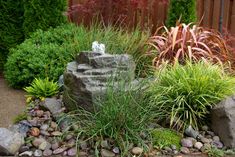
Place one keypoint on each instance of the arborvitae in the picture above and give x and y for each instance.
(11, 26)
(43, 14)
(185, 10)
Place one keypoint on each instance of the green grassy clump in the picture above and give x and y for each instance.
(183, 10)
(165, 138)
(42, 88)
(215, 152)
(122, 115)
(184, 94)
(46, 53)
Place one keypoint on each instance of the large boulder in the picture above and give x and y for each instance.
(87, 78)
(223, 121)
(10, 142)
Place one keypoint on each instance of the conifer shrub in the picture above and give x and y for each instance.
(11, 24)
(43, 14)
(185, 10)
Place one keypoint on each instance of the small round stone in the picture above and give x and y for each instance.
(56, 133)
(47, 152)
(35, 132)
(72, 152)
(23, 149)
(216, 138)
(173, 147)
(198, 145)
(105, 144)
(107, 153)
(27, 153)
(205, 140)
(39, 113)
(37, 153)
(44, 127)
(55, 145)
(59, 150)
(37, 141)
(217, 144)
(186, 142)
(137, 150)
(116, 150)
(168, 149)
(184, 150)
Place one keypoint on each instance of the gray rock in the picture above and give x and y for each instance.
(72, 152)
(184, 150)
(53, 105)
(59, 150)
(61, 81)
(198, 145)
(105, 144)
(37, 153)
(71, 142)
(205, 140)
(44, 145)
(223, 121)
(47, 152)
(216, 138)
(116, 150)
(107, 153)
(186, 142)
(55, 145)
(22, 128)
(173, 147)
(217, 144)
(38, 141)
(26, 153)
(44, 127)
(10, 142)
(137, 150)
(86, 80)
(23, 149)
(83, 145)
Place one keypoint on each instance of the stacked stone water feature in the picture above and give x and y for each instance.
(88, 77)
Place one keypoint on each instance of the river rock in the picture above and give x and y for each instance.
(186, 142)
(137, 150)
(107, 153)
(47, 152)
(10, 142)
(184, 150)
(26, 153)
(72, 152)
(37, 153)
(198, 145)
(53, 105)
(86, 79)
(223, 121)
(38, 141)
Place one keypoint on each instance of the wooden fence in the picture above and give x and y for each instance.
(216, 14)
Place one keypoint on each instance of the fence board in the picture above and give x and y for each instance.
(153, 13)
(216, 14)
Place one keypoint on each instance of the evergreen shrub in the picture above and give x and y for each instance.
(185, 10)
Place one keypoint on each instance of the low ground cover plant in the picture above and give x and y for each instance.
(46, 53)
(166, 138)
(185, 94)
(187, 42)
(42, 88)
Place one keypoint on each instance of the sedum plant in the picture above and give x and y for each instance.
(185, 94)
(183, 42)
(42, 88)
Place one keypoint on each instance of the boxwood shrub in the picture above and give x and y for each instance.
(46, 53)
